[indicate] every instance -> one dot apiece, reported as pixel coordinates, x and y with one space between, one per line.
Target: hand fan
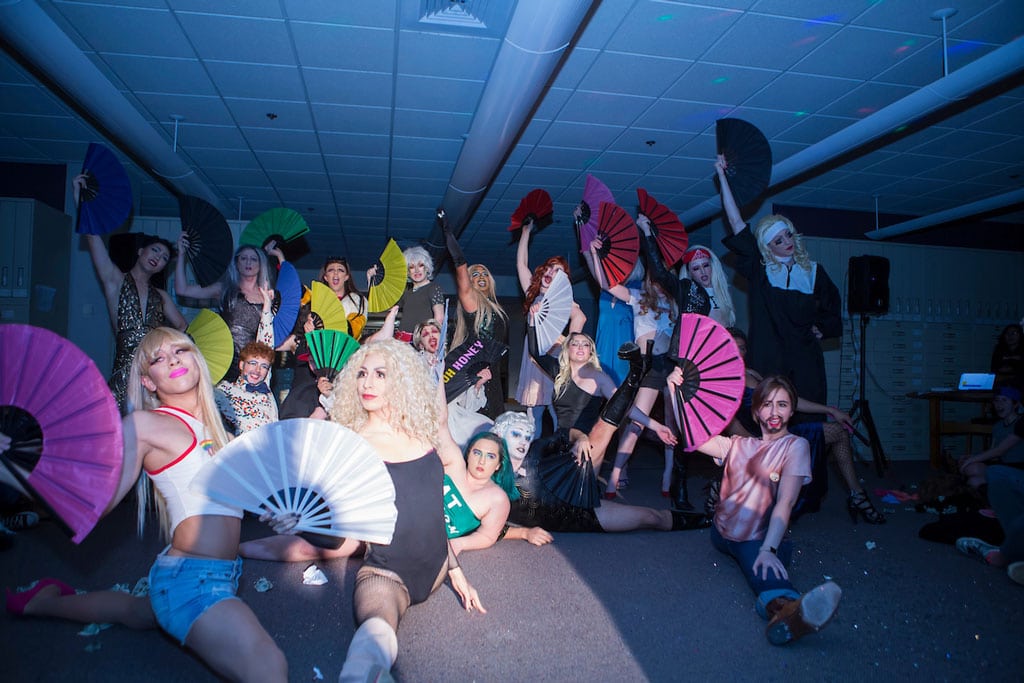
279 224
463 362
106 200
534 206
748 158
571 482
213 339
594 192
327 474
713 379
210 244
388 284
330 350
66 446
553 314
620 246
669 233
289 291
325 304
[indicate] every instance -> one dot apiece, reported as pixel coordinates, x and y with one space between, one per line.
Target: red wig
538 274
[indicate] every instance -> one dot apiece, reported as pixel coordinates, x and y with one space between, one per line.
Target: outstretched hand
644 223
766 562
538 536
721 164
468 595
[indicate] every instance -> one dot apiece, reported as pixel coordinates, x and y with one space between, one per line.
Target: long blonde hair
141 398
410 395
565 369
487 309
718 282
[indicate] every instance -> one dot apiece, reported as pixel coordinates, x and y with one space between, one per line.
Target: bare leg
285 548
112 607
618 517
230 638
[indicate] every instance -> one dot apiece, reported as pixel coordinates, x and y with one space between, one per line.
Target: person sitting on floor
760 485
1006 492
1007 442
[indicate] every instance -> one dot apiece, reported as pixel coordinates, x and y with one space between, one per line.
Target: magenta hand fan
594 192
66 446
713 379
323 472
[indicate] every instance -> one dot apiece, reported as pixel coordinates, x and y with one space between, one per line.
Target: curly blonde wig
411 394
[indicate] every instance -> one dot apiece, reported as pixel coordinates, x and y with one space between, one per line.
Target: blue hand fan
290 289
106 200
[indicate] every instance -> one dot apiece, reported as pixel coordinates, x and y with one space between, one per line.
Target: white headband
772 231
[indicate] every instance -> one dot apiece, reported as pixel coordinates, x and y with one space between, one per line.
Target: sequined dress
132 325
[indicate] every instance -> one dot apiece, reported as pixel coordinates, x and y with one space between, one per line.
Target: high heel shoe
16 602
859 505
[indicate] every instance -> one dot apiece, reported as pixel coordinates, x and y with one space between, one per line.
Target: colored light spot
867 110
666 17
805 41
900 50
900 129
910 42
824 19
964 47
800 113
720 79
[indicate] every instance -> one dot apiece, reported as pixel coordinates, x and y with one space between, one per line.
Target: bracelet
770 549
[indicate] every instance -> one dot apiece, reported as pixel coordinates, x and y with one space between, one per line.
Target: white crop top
646 323
172 480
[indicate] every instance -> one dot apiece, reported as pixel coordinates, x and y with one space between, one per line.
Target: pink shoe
610 495
16 602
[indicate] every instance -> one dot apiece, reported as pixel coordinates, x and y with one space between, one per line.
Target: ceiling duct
940 99
539 32
33 36
973 209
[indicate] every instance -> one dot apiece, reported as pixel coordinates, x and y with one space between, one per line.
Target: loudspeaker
868 292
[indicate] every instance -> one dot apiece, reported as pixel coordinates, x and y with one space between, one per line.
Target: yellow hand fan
325 304
388 284
213 338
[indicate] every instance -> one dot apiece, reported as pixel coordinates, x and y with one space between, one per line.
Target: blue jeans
745 552
181 589
1006 493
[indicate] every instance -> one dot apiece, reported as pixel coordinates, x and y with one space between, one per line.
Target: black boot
617 407
713 488
687 521
677 492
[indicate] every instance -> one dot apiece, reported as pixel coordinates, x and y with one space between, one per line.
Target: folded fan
213 339
210 244
388 284
535 206
328 309
669 233
325 473
278 224
106 200
553 313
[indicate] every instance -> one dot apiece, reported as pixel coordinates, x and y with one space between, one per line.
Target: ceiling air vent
469 14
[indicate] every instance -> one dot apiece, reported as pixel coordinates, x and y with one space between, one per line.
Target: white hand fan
553 315
327 474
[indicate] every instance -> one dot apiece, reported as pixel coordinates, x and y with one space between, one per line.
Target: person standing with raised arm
793 303
134 304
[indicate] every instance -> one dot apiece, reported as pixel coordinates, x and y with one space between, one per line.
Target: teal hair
503 476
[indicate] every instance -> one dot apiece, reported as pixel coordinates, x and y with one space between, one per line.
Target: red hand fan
621 243
536 205
669 233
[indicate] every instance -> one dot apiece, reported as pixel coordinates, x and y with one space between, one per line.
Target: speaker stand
861 411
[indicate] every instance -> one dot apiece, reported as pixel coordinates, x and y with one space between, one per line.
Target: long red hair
538 274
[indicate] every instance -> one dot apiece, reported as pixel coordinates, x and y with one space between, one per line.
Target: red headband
696 253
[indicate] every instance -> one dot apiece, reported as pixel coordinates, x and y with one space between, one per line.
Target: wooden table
937 427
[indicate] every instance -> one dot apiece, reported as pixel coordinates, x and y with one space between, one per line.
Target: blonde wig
411 395
487 308
718 282
141 398
767 257
565 369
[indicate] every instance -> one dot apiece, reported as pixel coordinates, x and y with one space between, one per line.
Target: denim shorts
181 589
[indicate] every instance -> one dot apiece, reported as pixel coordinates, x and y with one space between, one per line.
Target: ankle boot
615 410
677 492
792 619
687 521
714 494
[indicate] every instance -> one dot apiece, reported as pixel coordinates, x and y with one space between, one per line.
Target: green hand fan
280 224
330 350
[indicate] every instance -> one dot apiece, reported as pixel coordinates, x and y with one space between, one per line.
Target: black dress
494 390
781 339
690 297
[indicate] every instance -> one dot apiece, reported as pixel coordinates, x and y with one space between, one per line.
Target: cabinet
35 256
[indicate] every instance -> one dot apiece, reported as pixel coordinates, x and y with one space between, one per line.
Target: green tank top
459 519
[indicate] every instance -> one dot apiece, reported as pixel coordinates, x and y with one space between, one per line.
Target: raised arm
594 266
387 330
173 316
652 259
182 287
523 257
732 211
462 282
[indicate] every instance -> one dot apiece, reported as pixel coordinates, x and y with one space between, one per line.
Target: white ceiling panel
238 39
